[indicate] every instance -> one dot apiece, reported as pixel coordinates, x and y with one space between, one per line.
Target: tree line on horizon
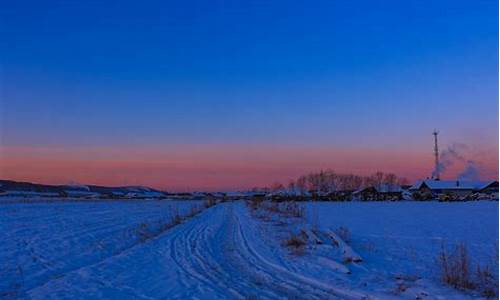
329 181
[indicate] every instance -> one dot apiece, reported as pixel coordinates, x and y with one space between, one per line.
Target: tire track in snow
194 267
100 261
301 282
194 251
221 256
214 255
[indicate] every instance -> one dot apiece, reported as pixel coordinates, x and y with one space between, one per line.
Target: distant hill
11 187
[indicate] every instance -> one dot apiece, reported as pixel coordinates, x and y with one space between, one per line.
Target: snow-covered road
216 255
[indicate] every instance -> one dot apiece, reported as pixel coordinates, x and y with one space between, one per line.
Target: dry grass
278 213
294 241
288 209
194 210
273 207
486 282
210 202
296 244
176 216
144 231
457 271
455 267
344 234
254 204
293 209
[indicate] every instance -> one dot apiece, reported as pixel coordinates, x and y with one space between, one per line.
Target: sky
221 95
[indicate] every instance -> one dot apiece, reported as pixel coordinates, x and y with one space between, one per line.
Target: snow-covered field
45 238
232 251
403 239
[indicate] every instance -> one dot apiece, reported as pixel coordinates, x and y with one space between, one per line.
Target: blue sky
352 74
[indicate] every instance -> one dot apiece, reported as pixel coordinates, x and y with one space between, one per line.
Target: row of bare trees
329 181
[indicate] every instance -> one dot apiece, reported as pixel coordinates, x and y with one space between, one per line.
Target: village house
455 187
379 192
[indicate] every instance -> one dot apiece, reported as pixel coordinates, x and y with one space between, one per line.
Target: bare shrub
314 219
486 282
401 287
294 210
343 233
210 202
165 225
456 271
287 209
273 207
143 232
254 203
177 219
193 211
295 241
455 267
176 216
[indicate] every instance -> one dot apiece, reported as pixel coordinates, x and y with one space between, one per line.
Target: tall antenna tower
436 155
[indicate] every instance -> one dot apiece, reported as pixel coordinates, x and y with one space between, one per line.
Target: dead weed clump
176 217
293 209
210 202
289 209
295 241
273 207
486 282
457 271
193 211
254 203
144 231
344 234
286 209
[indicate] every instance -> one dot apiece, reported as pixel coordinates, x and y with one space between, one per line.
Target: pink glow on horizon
210 167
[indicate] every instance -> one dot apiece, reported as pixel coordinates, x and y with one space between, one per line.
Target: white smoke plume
470 173
449 157
455 153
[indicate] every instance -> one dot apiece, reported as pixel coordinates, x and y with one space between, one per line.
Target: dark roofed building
456 187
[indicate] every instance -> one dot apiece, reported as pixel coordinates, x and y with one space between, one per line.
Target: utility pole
436 155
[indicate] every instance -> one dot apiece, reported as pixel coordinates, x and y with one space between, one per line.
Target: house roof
288 192
382 188
388 188
452 184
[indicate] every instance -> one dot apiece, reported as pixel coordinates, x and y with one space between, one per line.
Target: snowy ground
45 238
229 251
403 239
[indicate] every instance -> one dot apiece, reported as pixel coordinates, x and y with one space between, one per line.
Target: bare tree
328 181
301 185
276 187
